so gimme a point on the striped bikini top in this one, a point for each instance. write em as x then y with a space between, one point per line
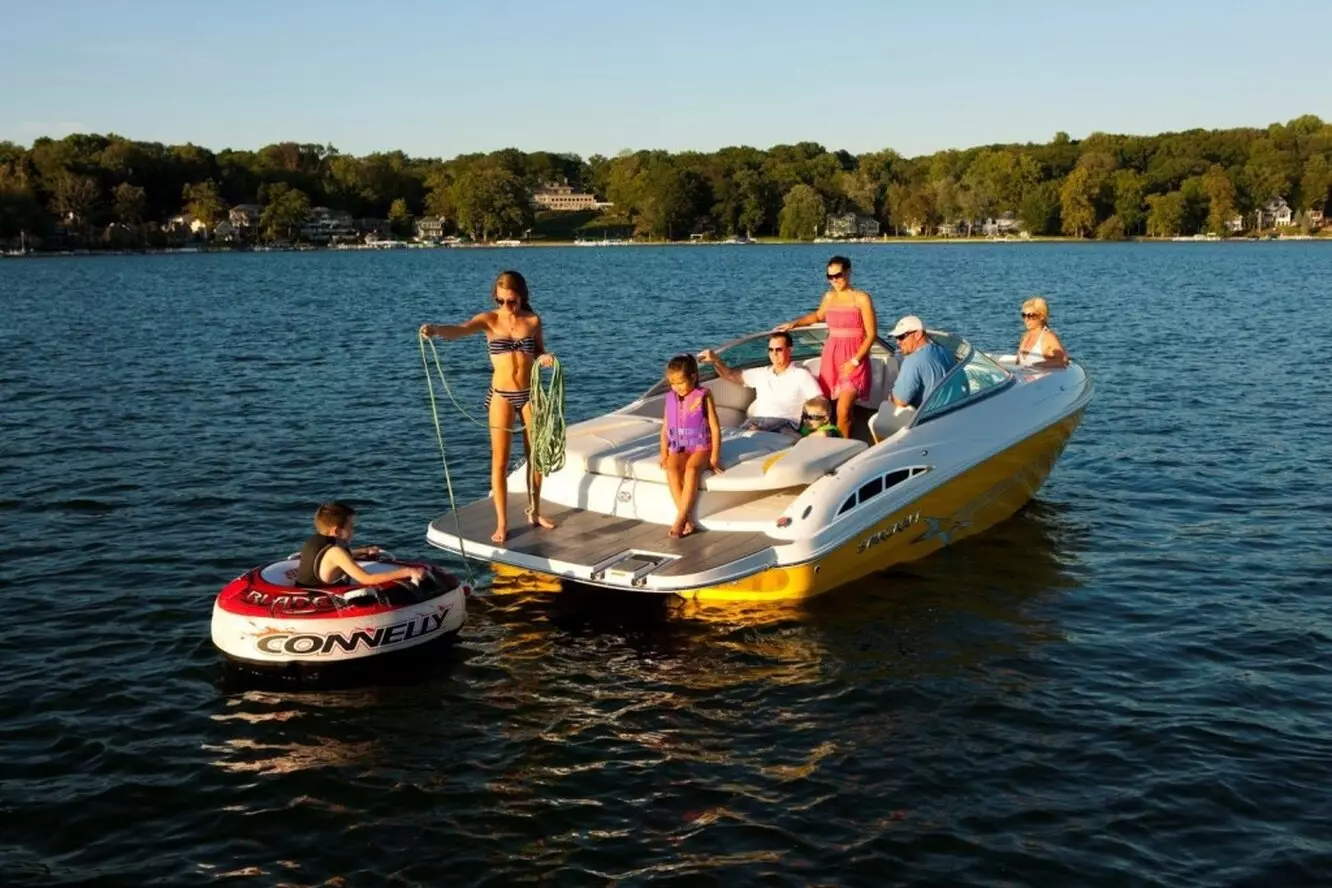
502 345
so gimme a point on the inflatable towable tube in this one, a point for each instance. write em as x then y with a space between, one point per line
265 624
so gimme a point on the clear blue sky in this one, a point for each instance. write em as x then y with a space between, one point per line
443 78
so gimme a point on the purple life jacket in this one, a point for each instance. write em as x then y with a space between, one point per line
687 422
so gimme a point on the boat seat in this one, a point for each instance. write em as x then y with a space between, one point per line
889 419
883 373
630 447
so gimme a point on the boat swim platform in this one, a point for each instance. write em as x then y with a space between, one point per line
589 538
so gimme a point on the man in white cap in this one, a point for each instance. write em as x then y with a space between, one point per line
925 364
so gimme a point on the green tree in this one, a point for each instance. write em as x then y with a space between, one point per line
756 202
1128 201
670 201
20 211
1112 229
491 200
400 221
203 202
1267 171
285 210
75 200
129 203
802 213
1315 183
1220 193
1165 214
1039 212
1075 202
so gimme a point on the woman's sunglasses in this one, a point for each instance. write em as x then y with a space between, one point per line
1030 314
817 417
507 303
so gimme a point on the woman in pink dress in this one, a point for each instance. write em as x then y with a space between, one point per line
844 371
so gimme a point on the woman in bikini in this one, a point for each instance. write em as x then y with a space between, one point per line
515 341
1039 346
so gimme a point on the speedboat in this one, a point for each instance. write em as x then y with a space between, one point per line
789 518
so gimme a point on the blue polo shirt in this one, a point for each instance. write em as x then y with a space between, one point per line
921 371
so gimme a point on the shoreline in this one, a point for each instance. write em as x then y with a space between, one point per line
764 242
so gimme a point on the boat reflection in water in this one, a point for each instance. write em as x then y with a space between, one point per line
970 599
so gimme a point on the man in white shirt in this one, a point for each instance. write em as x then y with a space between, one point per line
780 390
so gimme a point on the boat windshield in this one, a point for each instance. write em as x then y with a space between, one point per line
752 351
975 377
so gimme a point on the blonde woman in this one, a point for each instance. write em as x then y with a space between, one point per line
1039 345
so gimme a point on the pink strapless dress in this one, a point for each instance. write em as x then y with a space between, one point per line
846 331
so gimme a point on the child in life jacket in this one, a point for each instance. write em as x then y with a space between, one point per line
690 439
817 421
326 559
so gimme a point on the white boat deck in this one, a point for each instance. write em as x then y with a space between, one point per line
591 538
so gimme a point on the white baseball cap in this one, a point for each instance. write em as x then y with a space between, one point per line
908 324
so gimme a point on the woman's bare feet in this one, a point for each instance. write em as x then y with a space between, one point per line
677 529
500 535
542 521
687 529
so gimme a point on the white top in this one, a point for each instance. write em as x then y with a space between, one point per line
1033 356
781 395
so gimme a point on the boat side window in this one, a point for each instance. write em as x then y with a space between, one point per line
974 377
848 505
894 478
871 489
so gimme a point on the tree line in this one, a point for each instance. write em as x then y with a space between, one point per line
1104 186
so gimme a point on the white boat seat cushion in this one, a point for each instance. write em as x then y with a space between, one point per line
630 447
889 419
883 373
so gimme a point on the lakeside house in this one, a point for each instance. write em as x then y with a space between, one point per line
1235 223
1274 214
1003 224
245 217
844 225
430 228
377 227
563 198
185 222
328 226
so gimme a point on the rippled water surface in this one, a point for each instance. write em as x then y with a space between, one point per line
1129 683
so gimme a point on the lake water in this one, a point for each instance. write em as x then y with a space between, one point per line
1129 683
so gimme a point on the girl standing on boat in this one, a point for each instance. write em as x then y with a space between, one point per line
690 439
1039 345
515 340
844 372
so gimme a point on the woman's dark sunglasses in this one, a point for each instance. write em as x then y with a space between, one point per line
817 417
1030 314
508 303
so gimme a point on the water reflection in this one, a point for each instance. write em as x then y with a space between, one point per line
939 610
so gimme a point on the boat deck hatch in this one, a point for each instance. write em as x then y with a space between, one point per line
631 566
